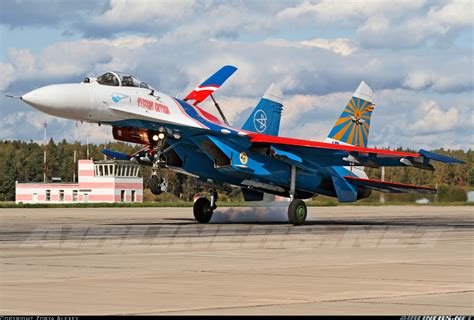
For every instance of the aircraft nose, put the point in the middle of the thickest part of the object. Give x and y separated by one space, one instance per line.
38 98
61 100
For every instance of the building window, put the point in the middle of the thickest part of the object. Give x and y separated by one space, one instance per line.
48 195
74 195
133 196
106 170
122 195
61 195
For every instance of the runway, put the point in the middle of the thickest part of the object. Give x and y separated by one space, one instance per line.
346 260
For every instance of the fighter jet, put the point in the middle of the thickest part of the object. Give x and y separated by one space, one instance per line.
179 135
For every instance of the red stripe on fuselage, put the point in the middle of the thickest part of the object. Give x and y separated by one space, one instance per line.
209 116
187 115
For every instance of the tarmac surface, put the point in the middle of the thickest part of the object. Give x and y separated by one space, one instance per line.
346 260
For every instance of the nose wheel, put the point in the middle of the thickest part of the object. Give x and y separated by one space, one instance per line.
157 184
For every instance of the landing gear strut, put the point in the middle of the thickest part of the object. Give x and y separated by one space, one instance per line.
297 210
203 208
157 183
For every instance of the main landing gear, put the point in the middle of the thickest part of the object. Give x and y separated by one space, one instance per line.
297 210
203 208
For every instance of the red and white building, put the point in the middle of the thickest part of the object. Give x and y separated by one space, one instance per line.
99 181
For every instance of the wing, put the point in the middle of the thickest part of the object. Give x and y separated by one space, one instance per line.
322 154
331 160
205 89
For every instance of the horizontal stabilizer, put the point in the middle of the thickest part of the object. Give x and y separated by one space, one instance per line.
439 157
391 187
115 154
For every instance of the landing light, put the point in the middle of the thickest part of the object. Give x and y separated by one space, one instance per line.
155 137
161 136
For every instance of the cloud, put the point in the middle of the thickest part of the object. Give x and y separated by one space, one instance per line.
72 58
435 120
8 74
439 22
348 12
448 77
126 15
410 52
341 46
126 12
455 13
418 80
21 13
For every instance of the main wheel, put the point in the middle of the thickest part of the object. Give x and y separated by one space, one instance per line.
155 185
297 212
202 210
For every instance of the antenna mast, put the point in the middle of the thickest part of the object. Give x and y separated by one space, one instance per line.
75 153
87 144
44 151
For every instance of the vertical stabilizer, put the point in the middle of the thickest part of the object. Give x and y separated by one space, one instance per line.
266 116
353 125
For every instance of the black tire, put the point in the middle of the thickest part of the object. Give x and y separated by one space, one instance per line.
154 185
297 212
202 210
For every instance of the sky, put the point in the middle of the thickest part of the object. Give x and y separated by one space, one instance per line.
417 56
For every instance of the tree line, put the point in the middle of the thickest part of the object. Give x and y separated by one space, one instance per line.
23 161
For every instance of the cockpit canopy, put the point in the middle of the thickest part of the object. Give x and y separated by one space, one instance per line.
117 79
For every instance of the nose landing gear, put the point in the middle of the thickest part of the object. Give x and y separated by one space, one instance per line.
157 184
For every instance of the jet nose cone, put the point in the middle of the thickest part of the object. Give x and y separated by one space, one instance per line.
36 98
46 99
61 100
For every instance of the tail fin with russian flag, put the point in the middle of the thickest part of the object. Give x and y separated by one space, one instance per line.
205 89
353 125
